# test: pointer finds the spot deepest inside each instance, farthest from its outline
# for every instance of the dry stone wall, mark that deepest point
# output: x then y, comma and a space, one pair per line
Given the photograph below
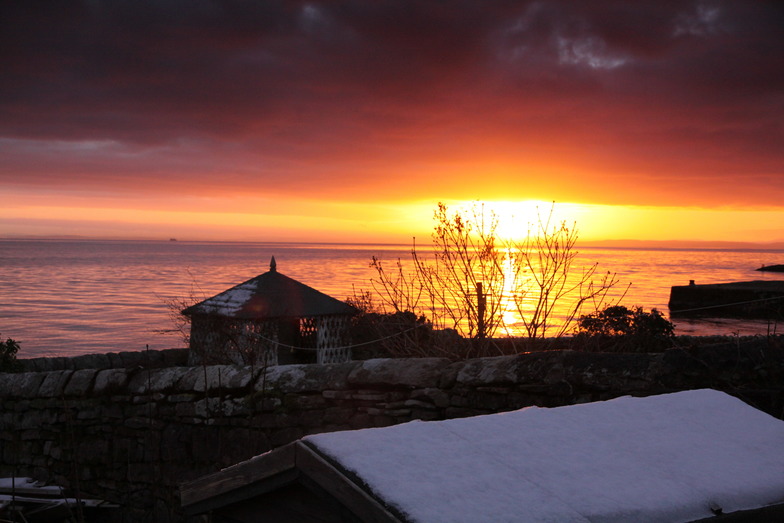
131, 435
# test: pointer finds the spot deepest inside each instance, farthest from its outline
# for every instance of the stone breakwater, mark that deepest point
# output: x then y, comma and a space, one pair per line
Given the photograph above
132, 435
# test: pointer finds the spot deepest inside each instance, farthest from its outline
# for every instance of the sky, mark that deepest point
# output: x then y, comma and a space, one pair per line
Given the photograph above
351, 120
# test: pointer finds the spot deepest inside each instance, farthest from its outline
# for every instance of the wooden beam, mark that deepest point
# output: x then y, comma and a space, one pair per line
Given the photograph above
241, 476
335, 482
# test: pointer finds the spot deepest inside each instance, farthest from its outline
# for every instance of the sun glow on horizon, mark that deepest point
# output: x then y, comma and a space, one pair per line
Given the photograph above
287, 218
518, 219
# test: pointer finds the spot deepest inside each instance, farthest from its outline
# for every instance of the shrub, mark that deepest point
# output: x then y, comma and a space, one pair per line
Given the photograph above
8, 361
620, 329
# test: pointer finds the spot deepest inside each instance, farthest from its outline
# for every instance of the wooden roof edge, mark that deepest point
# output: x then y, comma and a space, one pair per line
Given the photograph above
254, 476
278, 468
342, 486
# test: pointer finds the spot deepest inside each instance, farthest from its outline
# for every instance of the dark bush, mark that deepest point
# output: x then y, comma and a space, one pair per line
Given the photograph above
8, 361
620, 329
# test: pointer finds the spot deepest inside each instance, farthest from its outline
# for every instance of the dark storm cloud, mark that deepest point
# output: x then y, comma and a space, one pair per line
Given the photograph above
358, 82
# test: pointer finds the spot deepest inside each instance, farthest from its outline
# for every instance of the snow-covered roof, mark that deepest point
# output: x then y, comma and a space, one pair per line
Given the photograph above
669, 458
674, 457
270, 295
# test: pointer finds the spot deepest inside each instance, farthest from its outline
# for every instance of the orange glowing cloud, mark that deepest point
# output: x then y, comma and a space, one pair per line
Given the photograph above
344, 121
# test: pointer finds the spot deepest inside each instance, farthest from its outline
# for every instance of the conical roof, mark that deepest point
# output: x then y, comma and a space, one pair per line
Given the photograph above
270, 295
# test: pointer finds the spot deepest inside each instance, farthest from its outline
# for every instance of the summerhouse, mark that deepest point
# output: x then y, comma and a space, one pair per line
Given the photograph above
269, 320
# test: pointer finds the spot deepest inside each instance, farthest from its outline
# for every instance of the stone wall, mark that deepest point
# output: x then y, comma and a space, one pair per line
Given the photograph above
148, 359
131, 435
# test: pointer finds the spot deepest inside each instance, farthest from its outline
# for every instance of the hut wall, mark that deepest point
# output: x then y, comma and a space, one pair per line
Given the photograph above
218, 340
317, 339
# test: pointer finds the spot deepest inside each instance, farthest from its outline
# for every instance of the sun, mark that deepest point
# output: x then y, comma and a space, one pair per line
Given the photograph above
515, 218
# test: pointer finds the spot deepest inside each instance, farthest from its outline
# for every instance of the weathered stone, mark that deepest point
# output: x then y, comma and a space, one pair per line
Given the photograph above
397, 413
145, 381
214, 378
371, 396
178, 398
208, 407
31, 385
54, 383
437, 397
303, 401
80, 382
21, 385
410, 373
235, 407
486, 371
336, 394
110, 380
262, 403
305, 378
419, 404
91, 361
233, 377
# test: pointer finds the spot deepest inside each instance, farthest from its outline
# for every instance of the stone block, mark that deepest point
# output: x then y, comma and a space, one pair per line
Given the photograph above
81, 382
398, 413
235, 407
180, 398
21, 385
419, 405
437, 397
485, 371
370, 396
146, 381
53, 385
208, 407
409, 373
9, 385
304, 401
336, 394
108, 381
304, 378
216, 377
90, 361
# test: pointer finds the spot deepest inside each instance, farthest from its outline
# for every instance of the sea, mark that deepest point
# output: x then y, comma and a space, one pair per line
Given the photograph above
72, 297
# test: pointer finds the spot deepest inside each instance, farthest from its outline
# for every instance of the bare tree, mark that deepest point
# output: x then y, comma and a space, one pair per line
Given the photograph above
547, 283
472, 278
461, 287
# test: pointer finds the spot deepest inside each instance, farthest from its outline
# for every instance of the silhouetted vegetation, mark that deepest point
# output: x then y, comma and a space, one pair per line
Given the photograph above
620, 329
8, 351
473, 278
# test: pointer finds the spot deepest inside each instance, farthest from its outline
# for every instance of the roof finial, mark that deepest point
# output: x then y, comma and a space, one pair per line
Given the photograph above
273, 265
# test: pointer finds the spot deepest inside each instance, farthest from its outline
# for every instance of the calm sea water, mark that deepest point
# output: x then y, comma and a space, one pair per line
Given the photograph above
60, 298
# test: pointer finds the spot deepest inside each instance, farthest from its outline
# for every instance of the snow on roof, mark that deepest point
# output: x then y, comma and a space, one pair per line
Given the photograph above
270, 295
673, 457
